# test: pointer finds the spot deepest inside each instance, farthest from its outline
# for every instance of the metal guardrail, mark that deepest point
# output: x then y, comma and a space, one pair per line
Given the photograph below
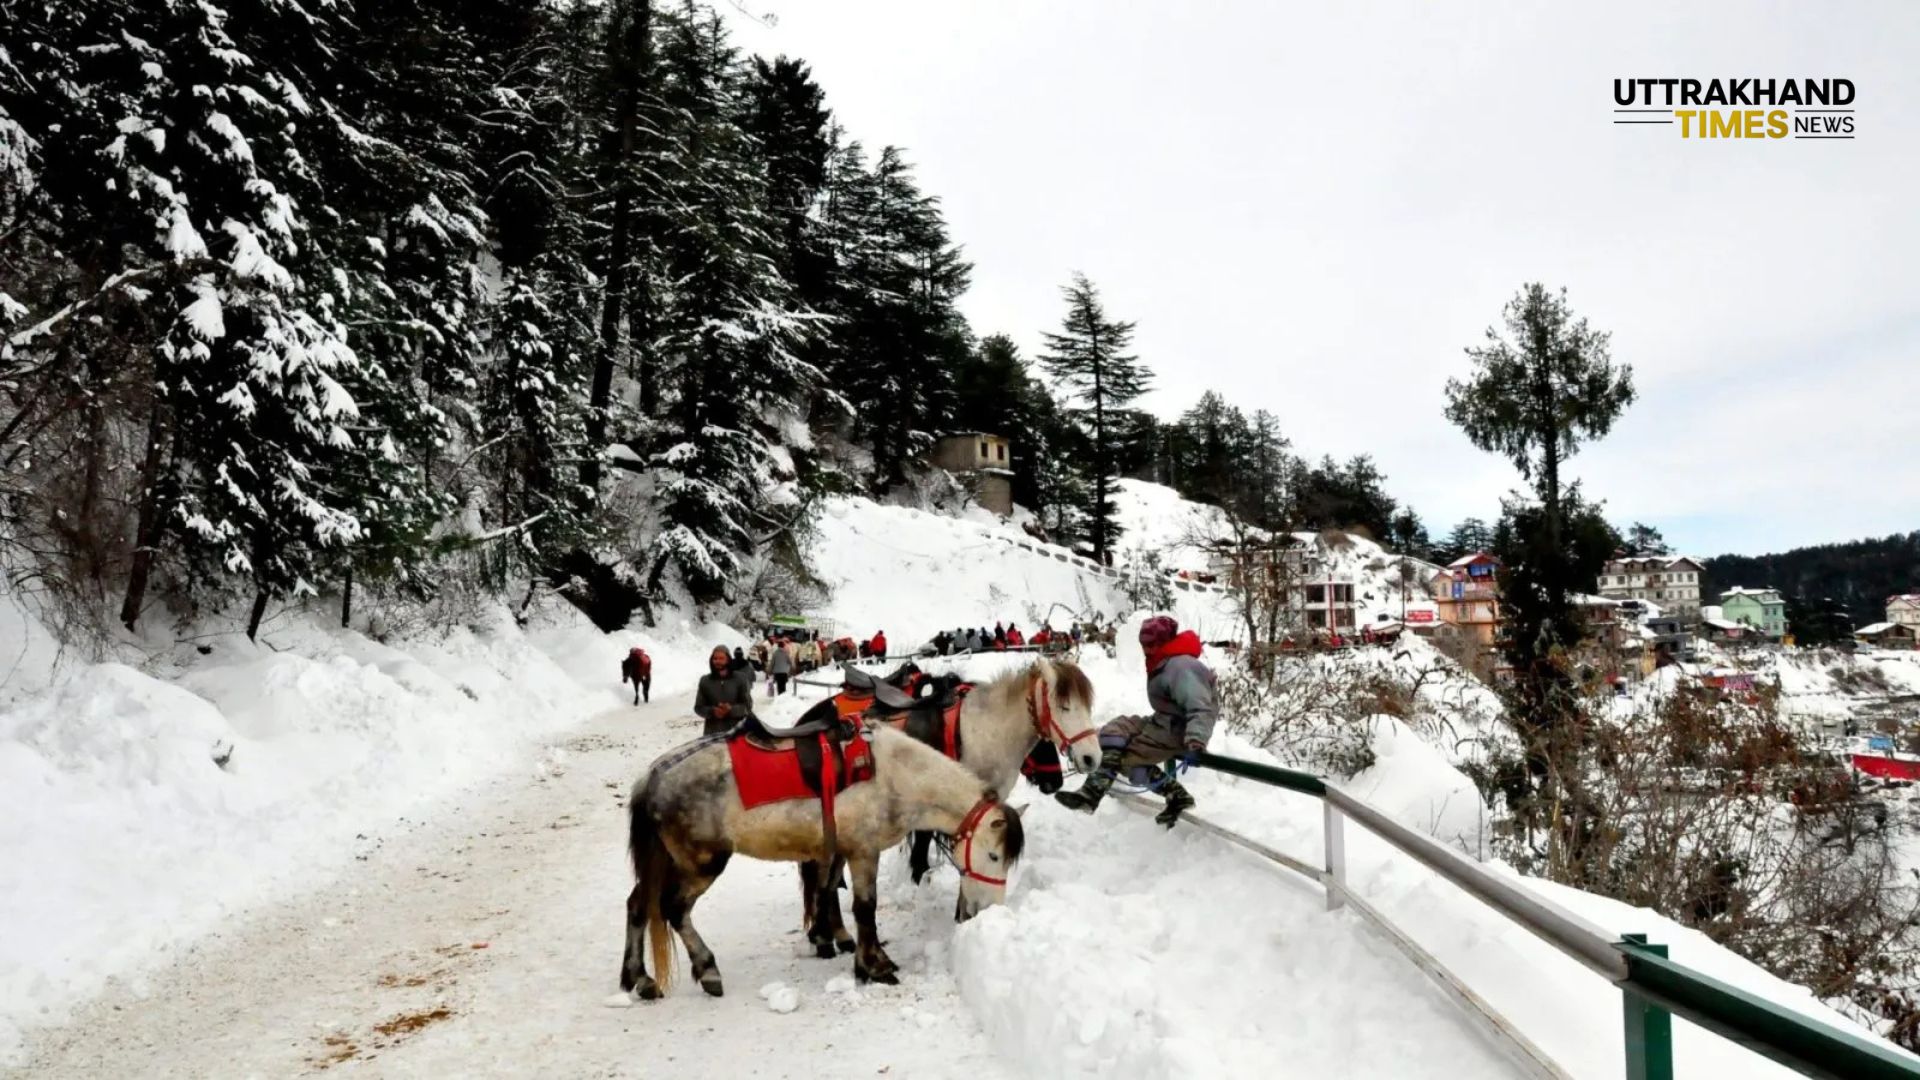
1653, 987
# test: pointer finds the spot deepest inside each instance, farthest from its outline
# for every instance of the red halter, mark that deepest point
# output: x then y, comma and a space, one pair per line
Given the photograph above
963, 839
1040, 711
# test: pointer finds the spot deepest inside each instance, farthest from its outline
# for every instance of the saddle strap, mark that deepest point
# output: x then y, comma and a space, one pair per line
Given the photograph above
950, 723
829, 780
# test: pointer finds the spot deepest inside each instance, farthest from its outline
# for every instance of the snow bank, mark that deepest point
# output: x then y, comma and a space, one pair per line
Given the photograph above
914, 573
1128, 951
127, 838
31, 658
1571, 1013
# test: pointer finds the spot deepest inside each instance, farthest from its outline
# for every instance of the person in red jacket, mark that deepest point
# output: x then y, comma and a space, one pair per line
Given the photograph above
1015, 638
878, 645
637, 668
1180, 689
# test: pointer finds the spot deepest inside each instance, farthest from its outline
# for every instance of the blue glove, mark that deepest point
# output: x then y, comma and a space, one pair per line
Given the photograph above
1192, 757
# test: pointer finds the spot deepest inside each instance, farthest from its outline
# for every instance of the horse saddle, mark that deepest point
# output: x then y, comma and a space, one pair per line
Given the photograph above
888, 694
822, 754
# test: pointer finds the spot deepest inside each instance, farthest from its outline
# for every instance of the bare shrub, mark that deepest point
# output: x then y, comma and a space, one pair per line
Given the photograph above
1706, 809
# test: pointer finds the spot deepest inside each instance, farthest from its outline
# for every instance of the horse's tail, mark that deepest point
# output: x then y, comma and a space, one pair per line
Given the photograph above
653, 874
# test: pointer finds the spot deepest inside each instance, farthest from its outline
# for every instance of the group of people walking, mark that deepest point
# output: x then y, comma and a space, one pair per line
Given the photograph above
1003, 636
1149, 749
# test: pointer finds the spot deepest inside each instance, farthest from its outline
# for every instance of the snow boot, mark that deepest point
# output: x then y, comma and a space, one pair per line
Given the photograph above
1179, 801
1087, 799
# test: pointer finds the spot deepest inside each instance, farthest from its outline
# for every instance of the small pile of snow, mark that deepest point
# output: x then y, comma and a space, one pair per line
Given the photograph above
780, 997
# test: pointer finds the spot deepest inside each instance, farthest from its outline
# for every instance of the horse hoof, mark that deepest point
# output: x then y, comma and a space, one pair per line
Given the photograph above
847, 946
649, 991
882, 975
712, 987
825, 950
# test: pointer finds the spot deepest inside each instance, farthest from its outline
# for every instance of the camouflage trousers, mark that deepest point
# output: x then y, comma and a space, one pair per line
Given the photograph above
1146, 741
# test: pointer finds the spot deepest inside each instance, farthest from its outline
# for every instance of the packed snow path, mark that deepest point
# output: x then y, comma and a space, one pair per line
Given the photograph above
486, 942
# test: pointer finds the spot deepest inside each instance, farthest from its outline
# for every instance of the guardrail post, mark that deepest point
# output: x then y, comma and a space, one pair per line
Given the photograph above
1335, 843
1649, 1028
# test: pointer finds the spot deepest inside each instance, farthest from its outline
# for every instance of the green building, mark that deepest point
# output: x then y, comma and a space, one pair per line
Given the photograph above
1762, 609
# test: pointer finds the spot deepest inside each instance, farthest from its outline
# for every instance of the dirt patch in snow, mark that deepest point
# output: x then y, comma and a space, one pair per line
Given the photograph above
411, 1023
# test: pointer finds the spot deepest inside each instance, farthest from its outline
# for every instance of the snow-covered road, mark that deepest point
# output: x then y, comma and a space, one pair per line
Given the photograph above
485, 942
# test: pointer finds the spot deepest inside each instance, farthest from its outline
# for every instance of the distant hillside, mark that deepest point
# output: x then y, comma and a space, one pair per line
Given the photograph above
1858, 575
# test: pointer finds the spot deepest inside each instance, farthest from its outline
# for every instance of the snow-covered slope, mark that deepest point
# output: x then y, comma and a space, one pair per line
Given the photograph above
913, 573
1155, 518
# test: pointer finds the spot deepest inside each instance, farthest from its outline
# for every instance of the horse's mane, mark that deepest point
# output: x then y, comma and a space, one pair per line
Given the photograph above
1016, 839
1071, 684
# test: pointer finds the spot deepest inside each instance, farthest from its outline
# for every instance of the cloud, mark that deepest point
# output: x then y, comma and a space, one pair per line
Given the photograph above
1315, 210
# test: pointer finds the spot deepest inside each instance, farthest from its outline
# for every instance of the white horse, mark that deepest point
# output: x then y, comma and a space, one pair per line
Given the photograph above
687, 820
999, 725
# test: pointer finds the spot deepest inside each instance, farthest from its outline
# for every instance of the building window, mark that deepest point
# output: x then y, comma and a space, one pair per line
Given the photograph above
1002, 451
983, 450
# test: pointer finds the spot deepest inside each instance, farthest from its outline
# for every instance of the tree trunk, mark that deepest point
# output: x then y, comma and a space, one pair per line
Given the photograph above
147, 528
259, 611
346, 602
1100, 455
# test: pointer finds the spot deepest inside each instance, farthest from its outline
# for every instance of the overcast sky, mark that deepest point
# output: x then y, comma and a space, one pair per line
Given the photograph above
1315, 208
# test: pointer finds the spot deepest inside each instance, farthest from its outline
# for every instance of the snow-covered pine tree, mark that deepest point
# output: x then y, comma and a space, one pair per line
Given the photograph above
535, 156
729, 328
196, 153
1090, 359
897, 336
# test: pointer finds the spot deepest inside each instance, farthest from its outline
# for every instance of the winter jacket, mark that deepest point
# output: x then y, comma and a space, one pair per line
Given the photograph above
734, 689
879, 644
1182, 695
779, 661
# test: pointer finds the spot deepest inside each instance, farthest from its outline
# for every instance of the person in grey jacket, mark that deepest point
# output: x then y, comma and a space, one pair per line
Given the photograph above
1181, 690
780, 665
724, 696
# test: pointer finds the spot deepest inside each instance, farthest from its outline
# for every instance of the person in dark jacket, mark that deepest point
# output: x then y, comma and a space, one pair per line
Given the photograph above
1181, 690
724, 696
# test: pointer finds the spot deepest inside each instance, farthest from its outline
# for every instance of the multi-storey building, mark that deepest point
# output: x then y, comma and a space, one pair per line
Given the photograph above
1904, 610
1671, 583
1467, 593
1761, 609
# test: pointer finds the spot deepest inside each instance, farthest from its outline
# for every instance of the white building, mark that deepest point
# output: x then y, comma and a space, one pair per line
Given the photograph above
1672, 582
1904, 610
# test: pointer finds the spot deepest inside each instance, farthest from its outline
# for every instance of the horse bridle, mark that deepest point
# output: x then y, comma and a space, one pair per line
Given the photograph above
1040, 711
963, 839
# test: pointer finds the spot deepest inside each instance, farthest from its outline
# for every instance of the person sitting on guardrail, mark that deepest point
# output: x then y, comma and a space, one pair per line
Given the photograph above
1180, 689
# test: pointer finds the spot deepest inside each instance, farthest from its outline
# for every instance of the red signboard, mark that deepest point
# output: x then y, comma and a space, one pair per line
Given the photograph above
1415, 615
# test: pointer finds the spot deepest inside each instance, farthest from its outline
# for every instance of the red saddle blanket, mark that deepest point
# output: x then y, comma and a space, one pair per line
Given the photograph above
794, 771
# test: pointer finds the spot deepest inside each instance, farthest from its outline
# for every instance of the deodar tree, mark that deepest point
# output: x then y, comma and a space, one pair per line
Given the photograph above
1091, 359
1536, 392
